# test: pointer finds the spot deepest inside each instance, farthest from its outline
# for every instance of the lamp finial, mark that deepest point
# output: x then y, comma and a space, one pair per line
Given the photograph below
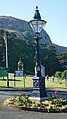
36, 7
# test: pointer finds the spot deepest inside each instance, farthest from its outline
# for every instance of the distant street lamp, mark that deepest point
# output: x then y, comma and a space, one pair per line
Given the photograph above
5, 39
39, 91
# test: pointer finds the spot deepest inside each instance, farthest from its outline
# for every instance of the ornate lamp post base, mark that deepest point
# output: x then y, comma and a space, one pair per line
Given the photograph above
39, 92
38, 99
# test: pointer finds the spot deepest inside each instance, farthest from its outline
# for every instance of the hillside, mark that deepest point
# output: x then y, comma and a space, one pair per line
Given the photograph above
21, 28
24, 31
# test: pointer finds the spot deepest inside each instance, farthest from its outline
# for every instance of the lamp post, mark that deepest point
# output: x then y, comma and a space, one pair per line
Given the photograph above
5, 39
39, 92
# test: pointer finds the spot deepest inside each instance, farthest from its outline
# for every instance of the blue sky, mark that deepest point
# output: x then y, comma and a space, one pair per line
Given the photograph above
53, 11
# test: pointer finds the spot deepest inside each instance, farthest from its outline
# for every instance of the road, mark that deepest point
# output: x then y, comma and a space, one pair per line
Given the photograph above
9, 113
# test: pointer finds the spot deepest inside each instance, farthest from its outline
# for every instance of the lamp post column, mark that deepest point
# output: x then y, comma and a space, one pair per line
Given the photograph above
38, 66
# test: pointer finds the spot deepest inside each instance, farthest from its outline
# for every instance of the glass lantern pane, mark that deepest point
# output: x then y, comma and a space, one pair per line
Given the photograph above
37, 25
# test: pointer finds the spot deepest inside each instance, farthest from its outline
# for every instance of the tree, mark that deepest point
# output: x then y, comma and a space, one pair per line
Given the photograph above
2, 49
62, 56
64, 76
50, 60
58, 75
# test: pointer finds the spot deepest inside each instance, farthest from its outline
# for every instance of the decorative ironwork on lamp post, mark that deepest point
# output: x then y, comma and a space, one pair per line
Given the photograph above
37, 24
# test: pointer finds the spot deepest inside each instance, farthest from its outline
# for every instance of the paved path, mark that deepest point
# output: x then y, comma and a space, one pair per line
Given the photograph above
6, 113
31, 115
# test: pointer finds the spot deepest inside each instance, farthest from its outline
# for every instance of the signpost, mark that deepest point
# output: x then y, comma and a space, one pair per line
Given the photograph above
18, 73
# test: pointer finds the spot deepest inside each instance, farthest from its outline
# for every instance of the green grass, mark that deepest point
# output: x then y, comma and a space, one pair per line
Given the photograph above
56, 84
19, 83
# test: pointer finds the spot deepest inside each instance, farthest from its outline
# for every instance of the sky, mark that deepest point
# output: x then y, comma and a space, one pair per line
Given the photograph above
53, 11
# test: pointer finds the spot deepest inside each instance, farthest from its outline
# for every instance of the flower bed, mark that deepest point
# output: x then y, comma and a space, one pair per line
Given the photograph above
53, 104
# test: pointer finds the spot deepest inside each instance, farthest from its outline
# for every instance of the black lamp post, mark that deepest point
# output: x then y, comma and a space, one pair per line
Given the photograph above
39, 92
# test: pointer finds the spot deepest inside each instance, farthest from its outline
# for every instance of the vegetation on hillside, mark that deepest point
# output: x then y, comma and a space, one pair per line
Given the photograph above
20, 48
